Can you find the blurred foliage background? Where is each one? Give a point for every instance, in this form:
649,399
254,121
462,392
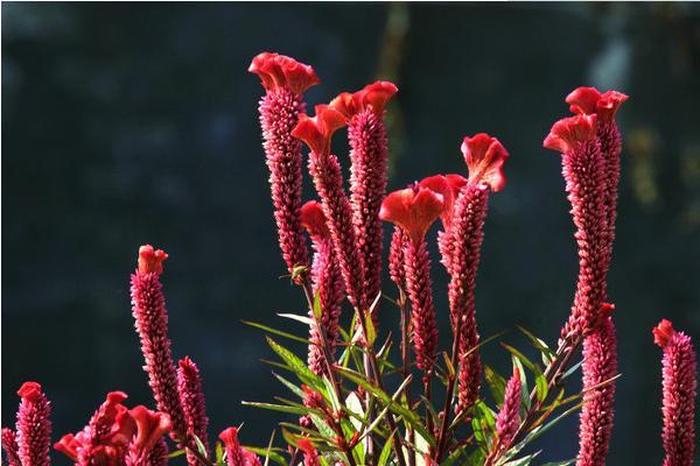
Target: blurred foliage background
132,123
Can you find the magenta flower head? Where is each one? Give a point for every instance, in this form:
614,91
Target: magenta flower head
414,210
236,455
9,445
284,80
148,445
151,323
679,369
310,453
508,418
460,247
584,172
326,281
597,414
325,170
364,112
189,385
33,429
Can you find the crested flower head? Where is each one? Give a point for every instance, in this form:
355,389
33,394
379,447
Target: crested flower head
448,186
372,97
151,260
663,333
314,220
151,426
310,453
588,101
485,156
316,132
567,133
236,455
279,71
33,426
413,209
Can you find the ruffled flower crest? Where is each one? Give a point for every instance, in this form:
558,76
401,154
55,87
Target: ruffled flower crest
372,97
413,209
280,71
567,133
663,333
151,260
589,100
485,156
317,131
314,220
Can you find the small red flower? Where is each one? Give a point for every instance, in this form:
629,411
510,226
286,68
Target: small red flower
588,101
151,426
151,260
314,220
280,71
373,97
310,452
33,426
663,333
316,132
567,133
413,209
236,455
485,156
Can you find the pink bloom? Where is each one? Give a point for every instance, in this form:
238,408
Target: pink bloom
326,281
33,429
485,157
597,413
151,323
310,452
9,444
584,172
397,271
508,418
589,101
236,455
414,210
325,170
364,111
146,448
285,80
189,385
679,392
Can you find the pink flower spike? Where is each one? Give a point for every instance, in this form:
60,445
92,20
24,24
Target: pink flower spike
279,71
485,156
567,133
235,454
413,209
189,385
372,97
508,418
9,445
316,132
314,220
33,426
679,371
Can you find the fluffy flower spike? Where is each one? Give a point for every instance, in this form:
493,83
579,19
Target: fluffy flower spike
316,132
33,426
588,100
568,132
236,455
373,97
679,369
9,445
279,71
413,209
151,260
189,385
508,418
485,157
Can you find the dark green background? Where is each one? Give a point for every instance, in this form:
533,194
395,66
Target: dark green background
133,123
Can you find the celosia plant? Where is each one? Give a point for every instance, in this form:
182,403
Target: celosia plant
357,402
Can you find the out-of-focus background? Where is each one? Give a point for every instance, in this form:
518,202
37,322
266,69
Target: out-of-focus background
132,123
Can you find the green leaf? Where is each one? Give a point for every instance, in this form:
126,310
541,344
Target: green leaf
176,453
200,446
538,343
296,390
496,383
371,330
524,461
523,359
386,451
298,270
525,390
275,331
541,387
280,408
267,453
304,319
459,453
296,365
219,452
318,311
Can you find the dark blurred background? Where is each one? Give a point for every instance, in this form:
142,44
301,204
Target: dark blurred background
132,123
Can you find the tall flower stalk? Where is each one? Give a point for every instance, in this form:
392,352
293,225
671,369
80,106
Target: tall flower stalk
189,386
679,373
285,80
33,428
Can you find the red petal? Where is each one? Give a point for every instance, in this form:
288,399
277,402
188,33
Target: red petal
412,210
567,132
279,71
663,333
589,101
151,260
316,132
313,219
485,156
373,96
30,391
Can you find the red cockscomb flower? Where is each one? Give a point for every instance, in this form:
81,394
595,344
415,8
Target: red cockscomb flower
584,171
33,429
597,413
397,270
364,112
310,453
508,418
327,283
325,170
679,392
485,157
151,323
284,80
148,445
414,210
189,386
236,455
9,445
